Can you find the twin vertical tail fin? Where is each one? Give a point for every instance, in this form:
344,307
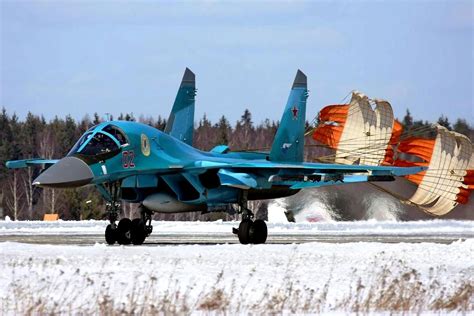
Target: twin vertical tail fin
181,120
288,145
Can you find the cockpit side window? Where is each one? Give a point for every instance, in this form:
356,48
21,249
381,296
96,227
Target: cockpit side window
99,145
117,133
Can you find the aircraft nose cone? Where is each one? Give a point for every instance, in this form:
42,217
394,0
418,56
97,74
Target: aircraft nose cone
69,172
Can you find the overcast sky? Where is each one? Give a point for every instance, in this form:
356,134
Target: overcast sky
64,57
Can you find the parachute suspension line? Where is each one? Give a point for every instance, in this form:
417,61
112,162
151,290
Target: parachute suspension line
421,187
417,132
407,201
347,96
311,126
367,151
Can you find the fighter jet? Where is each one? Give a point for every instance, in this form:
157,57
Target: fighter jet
134,162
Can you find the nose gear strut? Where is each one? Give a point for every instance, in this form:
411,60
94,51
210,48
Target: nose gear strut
249,231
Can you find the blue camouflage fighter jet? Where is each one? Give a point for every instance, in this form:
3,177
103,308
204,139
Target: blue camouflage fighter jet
163,172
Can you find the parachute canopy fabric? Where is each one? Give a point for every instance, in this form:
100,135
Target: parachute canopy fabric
445,183
332,118
358,133
397,131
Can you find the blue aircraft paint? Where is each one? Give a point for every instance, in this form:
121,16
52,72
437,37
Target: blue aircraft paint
289,140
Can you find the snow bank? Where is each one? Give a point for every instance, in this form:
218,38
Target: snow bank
305,278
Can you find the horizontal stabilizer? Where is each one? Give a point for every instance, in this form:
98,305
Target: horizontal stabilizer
220,149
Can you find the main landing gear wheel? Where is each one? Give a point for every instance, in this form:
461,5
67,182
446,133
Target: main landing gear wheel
260,232
124,231
138,231
110,234
252,232
244,231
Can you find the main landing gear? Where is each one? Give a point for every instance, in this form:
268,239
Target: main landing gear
127,231
249,231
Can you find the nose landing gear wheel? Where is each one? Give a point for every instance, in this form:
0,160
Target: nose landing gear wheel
110,235
138,231
124,231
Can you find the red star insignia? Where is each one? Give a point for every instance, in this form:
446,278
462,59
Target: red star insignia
295,111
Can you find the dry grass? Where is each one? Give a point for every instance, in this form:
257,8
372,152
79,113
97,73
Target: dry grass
402,291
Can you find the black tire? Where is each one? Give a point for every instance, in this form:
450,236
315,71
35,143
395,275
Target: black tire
110,235
259,232
124,231
138,231
244,231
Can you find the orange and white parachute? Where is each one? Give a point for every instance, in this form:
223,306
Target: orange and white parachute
359,134
444,184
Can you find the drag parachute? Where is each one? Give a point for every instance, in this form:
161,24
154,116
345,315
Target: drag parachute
359,134
444,184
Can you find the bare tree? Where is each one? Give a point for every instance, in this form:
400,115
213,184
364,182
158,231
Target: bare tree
29,190
16,195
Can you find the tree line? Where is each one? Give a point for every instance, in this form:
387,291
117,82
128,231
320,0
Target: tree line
35,137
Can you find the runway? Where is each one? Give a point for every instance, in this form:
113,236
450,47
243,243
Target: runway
212,233
222,238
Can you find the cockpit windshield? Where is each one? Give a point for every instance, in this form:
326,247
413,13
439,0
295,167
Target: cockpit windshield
99,144
96,145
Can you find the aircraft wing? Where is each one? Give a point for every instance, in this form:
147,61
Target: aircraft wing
304,175
333,168
315,167
24,163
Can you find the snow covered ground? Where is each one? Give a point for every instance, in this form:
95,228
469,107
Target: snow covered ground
312,277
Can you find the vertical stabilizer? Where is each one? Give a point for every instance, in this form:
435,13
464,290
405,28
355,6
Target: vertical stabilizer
288,144
181,120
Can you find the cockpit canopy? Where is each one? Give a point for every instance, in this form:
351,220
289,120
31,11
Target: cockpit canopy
99,144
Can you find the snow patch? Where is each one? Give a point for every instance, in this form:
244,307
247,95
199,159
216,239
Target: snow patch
276,211
381,208
306,278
